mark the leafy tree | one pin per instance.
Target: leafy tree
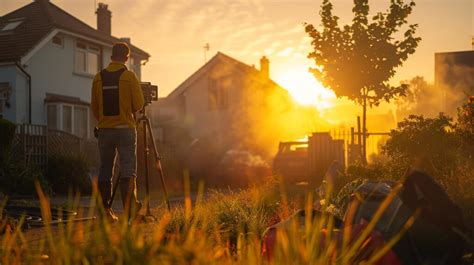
(358, 59)
(465, 129)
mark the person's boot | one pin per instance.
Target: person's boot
(110, 215)
(130, 202)
(105, 190)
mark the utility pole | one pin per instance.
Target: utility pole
(206, 49)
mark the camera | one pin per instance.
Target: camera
(150, 92)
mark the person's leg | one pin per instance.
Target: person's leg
(107, 150)
(128, 171)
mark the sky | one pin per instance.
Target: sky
(174, 32)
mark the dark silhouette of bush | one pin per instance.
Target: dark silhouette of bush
(18, 178)
(7, 134)
(69, 173)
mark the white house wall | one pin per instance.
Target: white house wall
(52, 71)
(21, 97)
(106, 53)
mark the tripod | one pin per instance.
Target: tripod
(145, 121)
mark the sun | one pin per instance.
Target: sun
(305, 89)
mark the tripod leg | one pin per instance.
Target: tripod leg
(147, 182)
(158, 164)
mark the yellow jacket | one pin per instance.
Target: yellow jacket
(129, 98)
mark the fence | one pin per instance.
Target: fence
(323, 150)
(34, 143)
(352, 147)
(63, 143)
(31, 144)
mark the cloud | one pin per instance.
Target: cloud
(285, 52)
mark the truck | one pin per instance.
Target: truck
(307, 161)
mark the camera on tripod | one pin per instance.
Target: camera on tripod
(150, 92)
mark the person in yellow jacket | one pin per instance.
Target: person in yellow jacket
(116, 97)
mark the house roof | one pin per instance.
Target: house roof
(39, 18)
(220, 57)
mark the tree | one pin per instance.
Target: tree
(357, 60)
(465, 129)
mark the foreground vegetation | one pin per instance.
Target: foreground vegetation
(227, 227)
(224, 228)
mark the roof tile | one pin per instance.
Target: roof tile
(39, 18)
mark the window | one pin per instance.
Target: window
(86, 58)
(57, 40)
(52, 116)
(80, 61)
(218, 93)
(11, 25)
(67, 118)
(5, 92)
(92, 63)
(80, 121)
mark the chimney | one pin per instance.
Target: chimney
(265, 67)
(104, 17)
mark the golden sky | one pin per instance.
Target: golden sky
(175, 31)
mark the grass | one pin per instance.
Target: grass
(223, 228)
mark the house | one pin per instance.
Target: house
(226, 112)
(225, 121)
(48, 59)
(454, 75)
(228, 108)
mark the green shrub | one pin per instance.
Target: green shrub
(233, 213)
(442, 148)
(67, 172)
(426, 143)
(438, 146)
(16, 176)
(374, 171)
(464, 130)
(7, 133)
(19, 179)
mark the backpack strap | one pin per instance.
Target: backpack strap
(110, 91)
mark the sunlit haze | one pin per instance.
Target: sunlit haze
(175, 33)
(304, 88)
